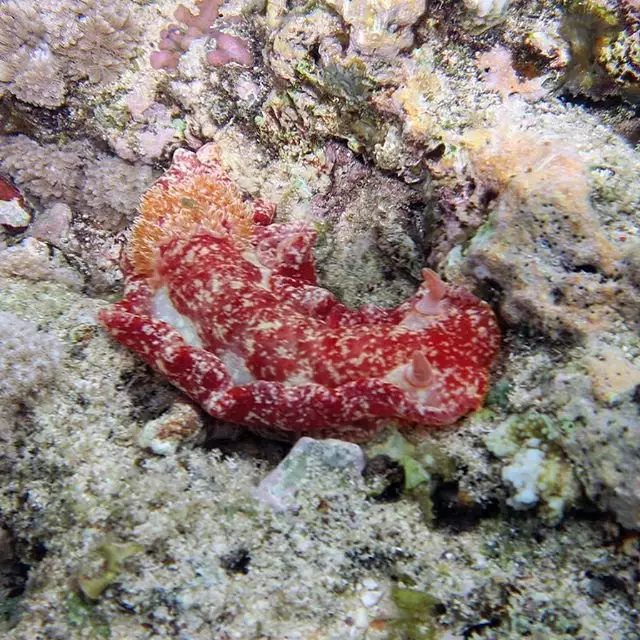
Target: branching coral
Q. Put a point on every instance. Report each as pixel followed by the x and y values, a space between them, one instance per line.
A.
pixel 177 38
pixel 28 68
pixel 42 50
pixel 107 38
pixel 74 173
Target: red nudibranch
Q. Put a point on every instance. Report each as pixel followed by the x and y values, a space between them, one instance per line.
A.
pixel 227 307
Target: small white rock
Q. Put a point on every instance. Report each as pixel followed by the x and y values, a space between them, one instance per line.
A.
pixel 12 214
pixel 369 583
pixel 361 619
pixel 278 489
pixel 178 426
pixel 370 598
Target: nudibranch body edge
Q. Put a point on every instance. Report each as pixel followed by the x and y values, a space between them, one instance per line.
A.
pixel 226 305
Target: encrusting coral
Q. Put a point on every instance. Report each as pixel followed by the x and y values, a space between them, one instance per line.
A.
pixel 499 75
pixel 537 470
pixel 227 307
pixel 177 38
pixel 36 261
pixel 28 359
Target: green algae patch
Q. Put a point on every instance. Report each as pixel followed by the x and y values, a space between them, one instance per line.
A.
pixel 179 125
pixel 413 602
pixel 424 465
pixel 9 612
pixel 498 396
pixel 86 617
pixel 416 613
pixel 113 558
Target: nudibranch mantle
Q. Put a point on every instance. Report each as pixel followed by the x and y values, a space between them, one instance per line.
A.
pixel 226 305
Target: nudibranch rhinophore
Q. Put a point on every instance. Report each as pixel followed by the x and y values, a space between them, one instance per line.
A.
pixel 226 305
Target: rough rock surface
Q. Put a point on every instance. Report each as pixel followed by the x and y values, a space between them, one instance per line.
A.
pixel 180 541
pixel 495 142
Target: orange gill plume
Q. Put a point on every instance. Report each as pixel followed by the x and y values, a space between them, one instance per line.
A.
pixel 185 206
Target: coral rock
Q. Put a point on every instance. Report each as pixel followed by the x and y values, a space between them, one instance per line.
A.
pixel 14 214
pixel 543 241
pixel 382 27
pixel 180 425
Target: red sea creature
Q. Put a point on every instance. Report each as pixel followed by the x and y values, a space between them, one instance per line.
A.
pixel 227 306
